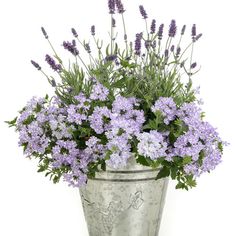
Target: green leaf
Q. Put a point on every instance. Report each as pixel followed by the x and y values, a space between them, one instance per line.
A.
pixel 12 122
pixel 119 83
pixel 42 168
pixel 220 147
pixel 180 186
pixel 174 171
pixel 143 161
pixel 187 160
pixel 103 166
pixel 164 172
pixel 28 120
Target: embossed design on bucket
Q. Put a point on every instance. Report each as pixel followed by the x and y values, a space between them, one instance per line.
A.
pixel 127 202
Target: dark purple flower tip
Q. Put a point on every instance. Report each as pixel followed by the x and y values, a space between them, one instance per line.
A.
pixel 138 44
pixel 93 30
pixel 52 63
pixel 87 48
pixel 197 37
pixel 120 6
pixel 148 44
pixel 111 6
pixel 183 29
pixel 69 90
pixel 44 33
pixel 172 48
pixel 172 29
pixel 71 47
pixel 154 44
pixel 178 51
pixel 53 83
pixel 111 58
pixel 113 22
pixel 74 32
pixel 153 26
pixel 166 53
pixel 194 31
pixel 36 65
pixel 193 65
pixel 143 12
pixel 160 31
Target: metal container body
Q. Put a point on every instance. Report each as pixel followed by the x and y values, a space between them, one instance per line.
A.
pixel 124 202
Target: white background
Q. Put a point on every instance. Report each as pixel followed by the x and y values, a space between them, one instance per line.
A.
pixel 29 203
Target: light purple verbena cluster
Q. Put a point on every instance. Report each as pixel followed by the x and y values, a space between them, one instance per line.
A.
pixel 54 129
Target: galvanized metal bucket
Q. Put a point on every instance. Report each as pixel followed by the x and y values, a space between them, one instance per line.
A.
pixel 124 202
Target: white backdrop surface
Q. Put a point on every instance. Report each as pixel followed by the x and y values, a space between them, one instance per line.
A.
pixel 29 203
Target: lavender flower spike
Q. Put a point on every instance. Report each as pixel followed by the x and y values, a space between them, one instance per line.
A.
pixel 71 47
pixel 120 7
pixel 36 65
pixel 172 29
pixel 193 65
pixel 172 48
pixel 160 31
pixel 93 30
pixel 194 31
pixel 197 37
pixel 52 63
pixel 183 30
pixel 74 32
pixel 87 48
pixel 143 12
pixel 138 44
pixel 44 33
pixel 153 26
pixel 111 6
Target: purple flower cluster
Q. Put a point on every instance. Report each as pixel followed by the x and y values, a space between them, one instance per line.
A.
pixel 99 92
pixel 120 125
pixel 167 107
pixel 98 119
pixel 200 141
pixel 113 130
pixel 152 145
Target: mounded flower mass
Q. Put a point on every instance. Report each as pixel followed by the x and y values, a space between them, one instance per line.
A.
pixel 126 103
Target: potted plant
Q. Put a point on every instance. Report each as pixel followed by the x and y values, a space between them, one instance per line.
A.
pixel 121 125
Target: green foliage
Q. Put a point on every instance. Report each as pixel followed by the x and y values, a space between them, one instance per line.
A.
pixel 11 123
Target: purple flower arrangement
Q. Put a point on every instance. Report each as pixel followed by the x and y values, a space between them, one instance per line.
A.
pixel 137 102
